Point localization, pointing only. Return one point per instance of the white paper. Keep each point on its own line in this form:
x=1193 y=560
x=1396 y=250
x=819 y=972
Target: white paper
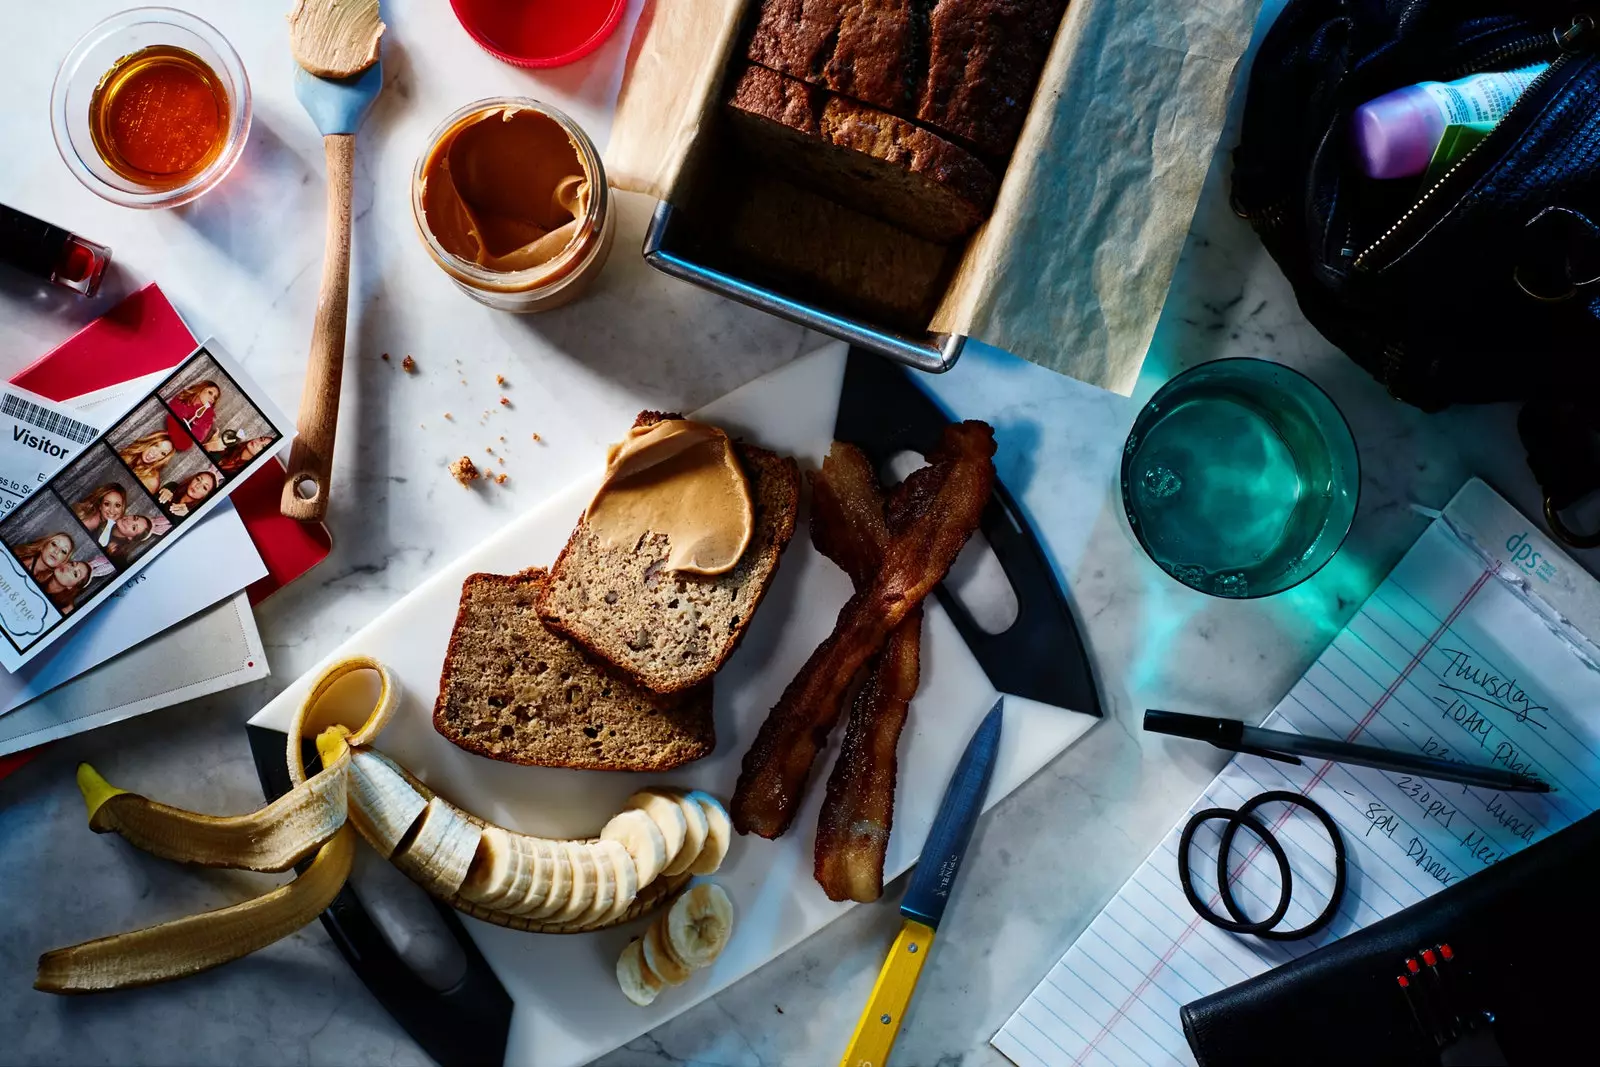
x=1452 y=656
x=38 y=437
x=206 y=427
x=216 y=560
x=207 y=653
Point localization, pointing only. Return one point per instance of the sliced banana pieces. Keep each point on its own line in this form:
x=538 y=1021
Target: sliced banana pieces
x=690 y=935
x=556 y=886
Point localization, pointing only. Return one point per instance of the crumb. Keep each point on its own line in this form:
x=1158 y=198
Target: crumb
x=489 y=450
x=408 y=365
x=505 y=402
x=502 y=460
x=464 y=471
x=386 y=357
x=536 y=437
x=422 y=426
x=502 y=437
x=499 y=379
x=780 y=1010
x=499 y=479
x=463 y=381
x=449 y=416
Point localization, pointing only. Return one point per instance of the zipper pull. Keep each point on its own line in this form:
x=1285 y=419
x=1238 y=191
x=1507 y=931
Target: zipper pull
x=1575 y=37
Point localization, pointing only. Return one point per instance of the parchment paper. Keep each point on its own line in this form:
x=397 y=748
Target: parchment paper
x=1072 y=268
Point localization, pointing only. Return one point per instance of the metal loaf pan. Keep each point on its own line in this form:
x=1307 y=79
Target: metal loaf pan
x=667 y=248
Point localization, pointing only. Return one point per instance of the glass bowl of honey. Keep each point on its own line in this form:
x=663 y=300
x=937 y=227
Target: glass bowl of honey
x=151 y=108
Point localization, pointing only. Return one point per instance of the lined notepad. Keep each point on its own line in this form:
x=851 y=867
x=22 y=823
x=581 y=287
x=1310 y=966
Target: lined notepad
x=1471 y=649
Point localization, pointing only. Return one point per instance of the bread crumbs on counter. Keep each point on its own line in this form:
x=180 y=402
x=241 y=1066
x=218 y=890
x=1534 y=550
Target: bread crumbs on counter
x=489 y=450
x=505 y=401
x=385 y=357
x=464 y=470
x=449 y=416
x=499 y=379
x=502 y=460
x=499 y=479
x=408 y=365
x=536 y=437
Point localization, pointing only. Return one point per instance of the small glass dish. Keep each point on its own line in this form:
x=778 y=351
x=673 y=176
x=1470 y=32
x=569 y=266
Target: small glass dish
x=100 y=51
x=1240 y=478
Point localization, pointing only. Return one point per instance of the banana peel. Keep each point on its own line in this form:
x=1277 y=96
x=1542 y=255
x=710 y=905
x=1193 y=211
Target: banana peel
x=310 y=818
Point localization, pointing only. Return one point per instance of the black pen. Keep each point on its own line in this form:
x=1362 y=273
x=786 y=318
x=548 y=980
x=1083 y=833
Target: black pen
x=1235 y=736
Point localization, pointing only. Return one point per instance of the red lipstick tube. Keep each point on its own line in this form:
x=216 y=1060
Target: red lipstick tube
x=58 y=256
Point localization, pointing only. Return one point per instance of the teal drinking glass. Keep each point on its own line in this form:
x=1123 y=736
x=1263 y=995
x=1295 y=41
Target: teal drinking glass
x=1240 y=478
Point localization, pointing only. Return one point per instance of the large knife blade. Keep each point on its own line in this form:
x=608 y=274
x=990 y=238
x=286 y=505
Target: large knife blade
x=927 y=897
x=1041 y=656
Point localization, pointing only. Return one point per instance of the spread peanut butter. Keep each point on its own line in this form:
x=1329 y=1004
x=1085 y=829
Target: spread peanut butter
x=505 y=189
x=679 y=478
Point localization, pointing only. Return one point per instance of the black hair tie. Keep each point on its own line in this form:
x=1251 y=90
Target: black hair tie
x=1339 y=871
x=1234 y=819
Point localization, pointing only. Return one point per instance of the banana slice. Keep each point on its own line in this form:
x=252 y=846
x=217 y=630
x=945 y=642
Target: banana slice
x=494 y=870
x=626 y=877
x=639 y=983
x=698 y=925
x=383 y=805
x=663 y=808
x=551 y=858
x=638 y=833
x=582 y=893
x=719 y=833
x=605 y=886
x=694 y=817
x=658 y=956
x=441 y=852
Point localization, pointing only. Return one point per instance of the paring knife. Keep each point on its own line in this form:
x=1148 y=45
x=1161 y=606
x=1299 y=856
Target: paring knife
x=926 y=898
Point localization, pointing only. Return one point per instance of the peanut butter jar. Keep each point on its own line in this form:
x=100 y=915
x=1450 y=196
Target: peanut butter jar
x=510 y=199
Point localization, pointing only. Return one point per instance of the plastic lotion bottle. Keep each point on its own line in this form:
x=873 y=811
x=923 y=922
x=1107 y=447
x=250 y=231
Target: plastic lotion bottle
x=1396 y=134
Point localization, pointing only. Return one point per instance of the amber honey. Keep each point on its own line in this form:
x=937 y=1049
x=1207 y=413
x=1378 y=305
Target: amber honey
x=159 y=116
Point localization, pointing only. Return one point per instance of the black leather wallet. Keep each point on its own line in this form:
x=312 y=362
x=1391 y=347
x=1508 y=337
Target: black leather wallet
x=1527 y=947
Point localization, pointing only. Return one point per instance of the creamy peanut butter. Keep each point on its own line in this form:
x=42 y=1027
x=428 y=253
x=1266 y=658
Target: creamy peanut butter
x=679 y=478
x=506 y=189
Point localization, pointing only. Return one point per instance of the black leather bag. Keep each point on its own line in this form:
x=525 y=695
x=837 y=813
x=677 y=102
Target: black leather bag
x=1484 y=286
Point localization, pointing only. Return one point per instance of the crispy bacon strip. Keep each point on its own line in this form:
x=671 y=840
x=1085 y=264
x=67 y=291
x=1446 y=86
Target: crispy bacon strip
x=847 y=526
x=858 y=812
x=929 y=518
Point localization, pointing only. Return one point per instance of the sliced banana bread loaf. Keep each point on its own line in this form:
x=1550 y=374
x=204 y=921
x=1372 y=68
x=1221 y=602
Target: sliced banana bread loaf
x=964 y=68
x=671 y=631
x=513 y=690
x=862 y=157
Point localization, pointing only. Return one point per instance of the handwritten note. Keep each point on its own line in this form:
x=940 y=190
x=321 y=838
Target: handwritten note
x=1459 y=654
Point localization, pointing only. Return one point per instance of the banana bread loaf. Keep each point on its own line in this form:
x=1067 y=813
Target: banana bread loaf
x=964 y=68
x=865 y=158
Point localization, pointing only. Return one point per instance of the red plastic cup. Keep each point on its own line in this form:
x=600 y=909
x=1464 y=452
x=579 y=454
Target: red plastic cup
x=539 y=33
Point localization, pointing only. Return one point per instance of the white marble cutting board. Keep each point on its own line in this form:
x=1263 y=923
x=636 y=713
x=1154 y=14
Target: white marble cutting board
x=568 y=1007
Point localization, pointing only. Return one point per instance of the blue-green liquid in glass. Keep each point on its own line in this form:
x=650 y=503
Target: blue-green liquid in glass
x=1228 y=495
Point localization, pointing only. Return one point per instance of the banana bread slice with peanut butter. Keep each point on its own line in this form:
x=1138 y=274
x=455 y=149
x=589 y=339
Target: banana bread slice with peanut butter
x=668 y=630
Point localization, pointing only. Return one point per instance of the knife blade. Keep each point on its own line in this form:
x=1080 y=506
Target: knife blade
x=927 y=897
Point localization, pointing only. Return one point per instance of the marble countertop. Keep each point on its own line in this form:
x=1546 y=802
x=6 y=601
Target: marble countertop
x=243 y=263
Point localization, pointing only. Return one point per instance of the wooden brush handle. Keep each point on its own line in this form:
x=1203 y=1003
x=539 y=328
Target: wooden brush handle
x=305 y=486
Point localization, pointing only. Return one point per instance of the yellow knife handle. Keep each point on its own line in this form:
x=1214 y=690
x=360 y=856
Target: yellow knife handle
x=891 y=996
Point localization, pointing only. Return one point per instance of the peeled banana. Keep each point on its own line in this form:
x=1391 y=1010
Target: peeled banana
x=688 y=936
x=642 y=858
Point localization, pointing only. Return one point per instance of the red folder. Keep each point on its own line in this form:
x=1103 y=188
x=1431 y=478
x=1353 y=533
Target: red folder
x=140 y=336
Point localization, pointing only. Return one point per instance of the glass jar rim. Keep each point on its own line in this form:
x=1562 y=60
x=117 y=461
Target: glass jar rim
x=592 y=223
x=239 y=118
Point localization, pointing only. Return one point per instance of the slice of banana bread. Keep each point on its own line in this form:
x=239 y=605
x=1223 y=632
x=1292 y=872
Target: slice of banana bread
x=671 y=631
x=863 y=158
x=512 y=690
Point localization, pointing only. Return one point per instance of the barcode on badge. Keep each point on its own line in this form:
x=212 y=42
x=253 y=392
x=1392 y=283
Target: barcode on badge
x=48 y=421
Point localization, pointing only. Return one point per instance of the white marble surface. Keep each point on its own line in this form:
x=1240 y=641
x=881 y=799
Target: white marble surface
x=243 y=263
